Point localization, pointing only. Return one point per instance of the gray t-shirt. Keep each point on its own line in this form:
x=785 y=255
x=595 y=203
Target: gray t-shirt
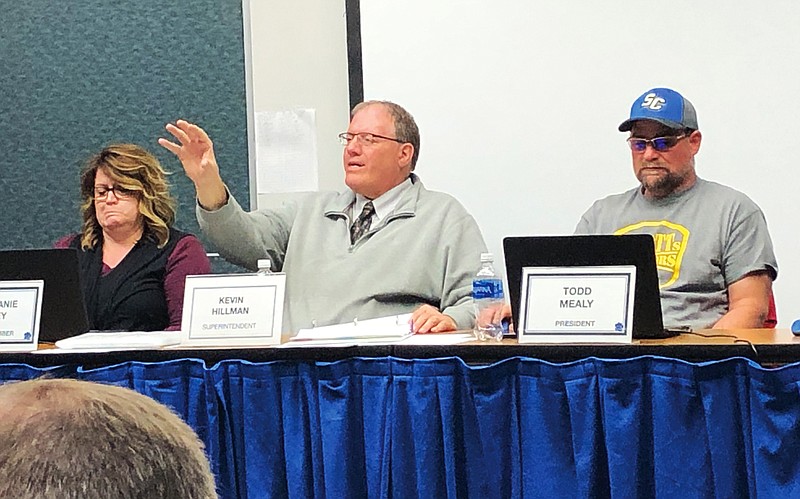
x=706 y=237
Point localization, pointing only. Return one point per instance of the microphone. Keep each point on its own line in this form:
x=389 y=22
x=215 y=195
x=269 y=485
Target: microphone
x=796 y=327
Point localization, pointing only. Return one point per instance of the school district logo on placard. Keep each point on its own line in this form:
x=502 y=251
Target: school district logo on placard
x=670 y=241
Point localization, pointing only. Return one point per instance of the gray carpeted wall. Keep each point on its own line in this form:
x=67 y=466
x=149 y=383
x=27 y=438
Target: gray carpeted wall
x=78 y=75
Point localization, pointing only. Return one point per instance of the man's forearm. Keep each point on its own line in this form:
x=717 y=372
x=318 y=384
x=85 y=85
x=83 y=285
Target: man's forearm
x=744 y=317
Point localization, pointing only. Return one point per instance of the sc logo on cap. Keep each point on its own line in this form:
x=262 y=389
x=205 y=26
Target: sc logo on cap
x=653 y=101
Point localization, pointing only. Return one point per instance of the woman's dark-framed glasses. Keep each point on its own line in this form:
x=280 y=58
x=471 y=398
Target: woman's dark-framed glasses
x=660 y=144
x=364 y=138
x=101 y=192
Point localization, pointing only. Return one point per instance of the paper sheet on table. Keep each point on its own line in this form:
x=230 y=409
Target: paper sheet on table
x=286 y=151
x=413 y=339
x=120 y=341
x=437 y=339
x=391 y=328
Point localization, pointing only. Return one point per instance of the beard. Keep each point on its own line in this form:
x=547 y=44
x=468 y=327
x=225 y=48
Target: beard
x=663 y=185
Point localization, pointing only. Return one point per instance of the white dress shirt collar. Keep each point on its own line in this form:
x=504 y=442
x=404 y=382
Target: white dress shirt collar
x=384 y=204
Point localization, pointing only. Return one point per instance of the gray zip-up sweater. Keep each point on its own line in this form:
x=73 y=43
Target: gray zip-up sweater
x=426 y=251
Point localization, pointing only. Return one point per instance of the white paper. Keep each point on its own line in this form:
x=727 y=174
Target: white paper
x=393 y=327
x=120 y=341
x=438 y=339
x=340 y=342
x=408 y=339
x=286 y=151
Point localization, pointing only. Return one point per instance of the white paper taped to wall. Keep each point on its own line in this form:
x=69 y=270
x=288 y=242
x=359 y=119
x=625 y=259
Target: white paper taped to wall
x=286 y=151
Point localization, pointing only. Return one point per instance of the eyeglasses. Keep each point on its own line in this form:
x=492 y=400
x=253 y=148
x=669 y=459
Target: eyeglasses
x=364 y=138
x=660 y=144
x=101 y=192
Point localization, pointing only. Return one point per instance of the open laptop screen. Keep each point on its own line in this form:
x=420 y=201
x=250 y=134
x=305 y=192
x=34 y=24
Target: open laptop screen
x=592 y=250
x=63 y=308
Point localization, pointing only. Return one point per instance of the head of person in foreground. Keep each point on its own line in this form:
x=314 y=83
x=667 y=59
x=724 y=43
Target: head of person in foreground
x=76 y=439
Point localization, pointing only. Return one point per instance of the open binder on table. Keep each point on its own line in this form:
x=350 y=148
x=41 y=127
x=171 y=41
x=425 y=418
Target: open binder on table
x=381 y=330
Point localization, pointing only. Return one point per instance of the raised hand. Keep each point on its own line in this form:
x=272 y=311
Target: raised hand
x=196 y=153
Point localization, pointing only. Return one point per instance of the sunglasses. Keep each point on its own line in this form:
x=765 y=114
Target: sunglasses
x=660 y=144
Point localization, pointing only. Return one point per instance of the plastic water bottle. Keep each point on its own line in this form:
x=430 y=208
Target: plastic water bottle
x=487 y=295
x=264 y=266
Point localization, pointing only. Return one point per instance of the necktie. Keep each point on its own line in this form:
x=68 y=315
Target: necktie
x=362 y=223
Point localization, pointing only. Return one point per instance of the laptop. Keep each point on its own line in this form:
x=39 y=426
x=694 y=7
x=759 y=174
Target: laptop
x=63 y=307
x=592 y=250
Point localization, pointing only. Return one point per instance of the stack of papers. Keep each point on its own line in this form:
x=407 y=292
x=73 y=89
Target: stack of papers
x=137 y=340
x=389 y=329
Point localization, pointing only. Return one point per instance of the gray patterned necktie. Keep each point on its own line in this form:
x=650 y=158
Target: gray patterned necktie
x=362 y=223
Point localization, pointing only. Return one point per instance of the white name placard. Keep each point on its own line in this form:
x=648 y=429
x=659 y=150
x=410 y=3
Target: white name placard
x=233 y=309
x=20 y=312
x=577 y=304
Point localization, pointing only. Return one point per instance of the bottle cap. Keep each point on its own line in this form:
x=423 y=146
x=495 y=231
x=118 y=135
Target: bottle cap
x=487 y=257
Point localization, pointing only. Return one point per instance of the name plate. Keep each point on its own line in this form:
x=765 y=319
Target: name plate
x=233 y=309
x=20 y=313
x=577 y=304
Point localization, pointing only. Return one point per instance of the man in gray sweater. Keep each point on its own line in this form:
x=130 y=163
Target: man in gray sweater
x=384 y=246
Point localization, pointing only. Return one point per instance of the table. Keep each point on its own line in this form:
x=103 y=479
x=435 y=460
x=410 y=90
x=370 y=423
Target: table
x=479 y=420
x=769 y=347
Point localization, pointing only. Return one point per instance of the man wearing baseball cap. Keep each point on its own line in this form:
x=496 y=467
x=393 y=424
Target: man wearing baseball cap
x=713 y=250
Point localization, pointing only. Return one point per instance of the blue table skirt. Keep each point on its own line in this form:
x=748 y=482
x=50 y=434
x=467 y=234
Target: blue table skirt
x=387 y=427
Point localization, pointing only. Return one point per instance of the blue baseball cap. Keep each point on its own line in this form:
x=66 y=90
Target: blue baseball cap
x=665 y=106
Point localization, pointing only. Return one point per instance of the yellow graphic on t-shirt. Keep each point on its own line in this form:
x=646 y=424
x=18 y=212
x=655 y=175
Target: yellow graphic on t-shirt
x=670 y=242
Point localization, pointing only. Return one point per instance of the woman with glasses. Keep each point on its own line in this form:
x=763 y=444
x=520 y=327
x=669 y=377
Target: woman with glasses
x=133 y=261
